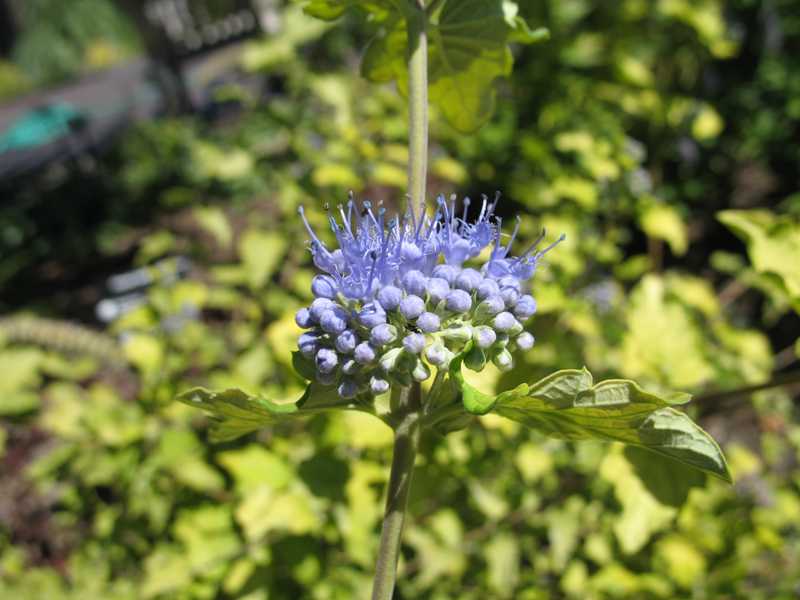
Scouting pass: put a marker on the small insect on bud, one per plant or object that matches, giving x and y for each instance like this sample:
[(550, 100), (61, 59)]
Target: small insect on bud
[(412, 306)]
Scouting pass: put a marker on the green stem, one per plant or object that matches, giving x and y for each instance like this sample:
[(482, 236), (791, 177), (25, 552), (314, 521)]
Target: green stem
[(417, 105), (791, 378), (406, 442)]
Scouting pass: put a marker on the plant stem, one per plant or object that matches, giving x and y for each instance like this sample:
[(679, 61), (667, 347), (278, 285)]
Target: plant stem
[(785, 379), (417, 105), (406, 441)]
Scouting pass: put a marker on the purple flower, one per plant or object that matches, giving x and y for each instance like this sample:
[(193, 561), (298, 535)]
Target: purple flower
[(347, 389), (364, 353), (458, 301), (412, 306), (324, 286), (334, 320), (484, 336), (436, 354), (389, 297), (346, 342), (486, 288), (414, 343), (371, 315), (468, 280), (524, 341), (438, 288), (490, 307), (319, 306), (505, 321), (326, 360), (446, 272), (415, 283), (308, 343), (525, 307), (429, 322), (383, 334), (378, 385), (303, 318)]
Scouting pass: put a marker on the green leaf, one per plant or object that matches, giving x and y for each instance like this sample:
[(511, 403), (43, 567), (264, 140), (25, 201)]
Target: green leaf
[(330, 10), (565, 405), (467, 50), (236, 413), (773, 244), (474, 401)]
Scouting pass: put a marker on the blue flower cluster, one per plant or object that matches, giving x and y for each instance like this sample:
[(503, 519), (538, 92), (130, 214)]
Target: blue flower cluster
[(395, 298)]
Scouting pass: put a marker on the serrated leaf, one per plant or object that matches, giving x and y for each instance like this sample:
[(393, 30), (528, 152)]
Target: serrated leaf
[(565, 405), (235, 413), (467, 50)]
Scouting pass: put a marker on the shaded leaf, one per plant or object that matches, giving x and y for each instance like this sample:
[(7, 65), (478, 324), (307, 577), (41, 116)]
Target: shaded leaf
[(564, 405), (236, 413)]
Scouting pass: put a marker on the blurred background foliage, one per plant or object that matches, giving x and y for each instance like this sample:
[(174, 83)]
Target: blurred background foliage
[(661, 137)]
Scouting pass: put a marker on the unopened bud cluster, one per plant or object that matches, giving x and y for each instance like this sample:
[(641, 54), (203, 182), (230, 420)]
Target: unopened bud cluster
[(387, 308)]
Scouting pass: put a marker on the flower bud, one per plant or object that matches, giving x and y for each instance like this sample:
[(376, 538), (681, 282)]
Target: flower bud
[(446, 272), (348, 389), (346, 342), (509, 281), (389, 297), (524, 341), (391, 359), (412, 306), (516, 329), (503, 360), (436, 354), (303, 318), (468, 280), (420, 372), (504, 322), (484, 336), (334, 320), (308, 343), (380, 335), (457, 333), (475, 359), (438, 289), (414, 343), (488, 287), (415, 283), (489, 307), (364, 353), (429, 322), (509, 296), (371, 315), (319, 306), (326, 360), (525, 307), (458, 301), (324, 286), (378, 386)]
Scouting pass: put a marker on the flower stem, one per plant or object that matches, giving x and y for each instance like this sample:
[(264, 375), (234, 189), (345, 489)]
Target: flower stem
[(417, 104), (406, 441)]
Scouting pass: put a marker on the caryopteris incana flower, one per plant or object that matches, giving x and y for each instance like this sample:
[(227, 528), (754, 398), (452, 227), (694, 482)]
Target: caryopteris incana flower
[(396, 298)]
